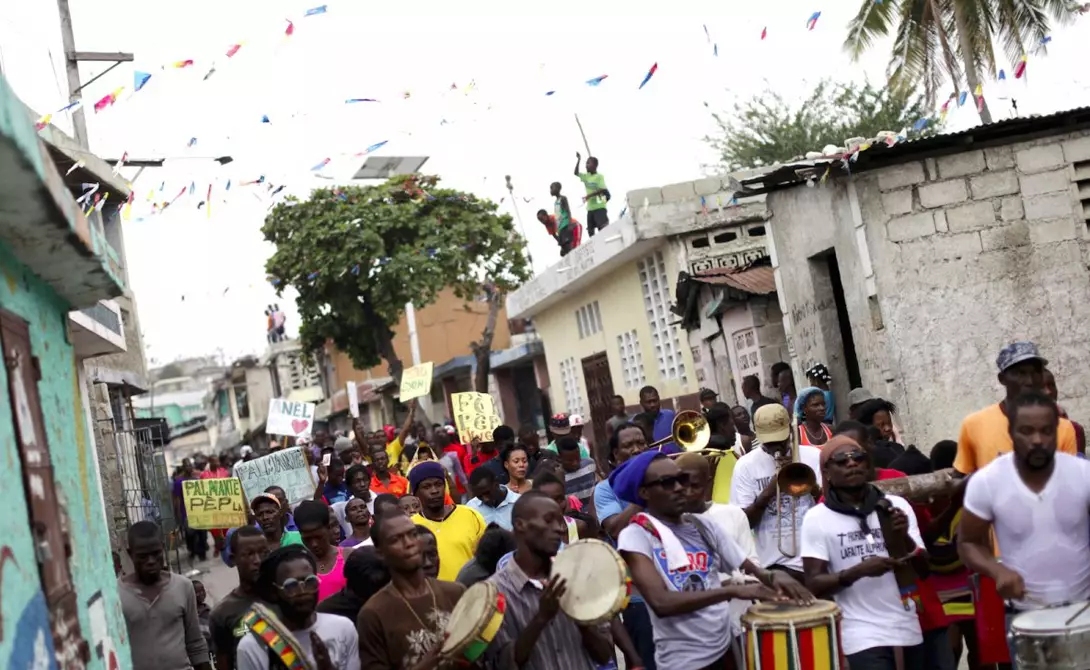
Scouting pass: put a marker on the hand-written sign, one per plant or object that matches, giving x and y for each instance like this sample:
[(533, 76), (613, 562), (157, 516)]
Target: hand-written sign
[(290, 418), (475, 415), (353, 399), (214, 503), (416, 381), (287, 469)]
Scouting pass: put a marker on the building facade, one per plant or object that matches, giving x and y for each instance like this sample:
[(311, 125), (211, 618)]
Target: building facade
[(60, 606), (239, 404)]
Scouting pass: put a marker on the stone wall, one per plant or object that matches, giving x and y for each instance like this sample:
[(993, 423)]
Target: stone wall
[(944, 261)]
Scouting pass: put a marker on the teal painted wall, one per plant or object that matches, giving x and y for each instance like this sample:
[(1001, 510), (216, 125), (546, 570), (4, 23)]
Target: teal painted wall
[(73, 459), (174, 414)]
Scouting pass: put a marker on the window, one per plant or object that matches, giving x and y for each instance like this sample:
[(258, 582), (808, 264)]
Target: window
[(588, 319), (242, 401), (656, 301), (569, 378), (631, 360)]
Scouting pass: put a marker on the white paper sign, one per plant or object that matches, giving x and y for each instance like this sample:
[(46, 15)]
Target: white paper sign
[(290, 418), (286, 468), (353, 400)]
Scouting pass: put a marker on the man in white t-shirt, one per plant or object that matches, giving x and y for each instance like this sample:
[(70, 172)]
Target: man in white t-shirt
[(845, 557), (753, 488), (1038, 502)]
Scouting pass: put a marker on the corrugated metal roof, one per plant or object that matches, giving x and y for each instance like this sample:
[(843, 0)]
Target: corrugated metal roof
[(758, 280)]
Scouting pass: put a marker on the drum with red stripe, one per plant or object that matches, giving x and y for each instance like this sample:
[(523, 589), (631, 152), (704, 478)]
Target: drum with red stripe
[(783, 636)]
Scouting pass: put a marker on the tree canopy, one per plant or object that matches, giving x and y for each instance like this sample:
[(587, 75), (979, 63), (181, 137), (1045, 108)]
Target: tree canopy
[(356, 255), (765, 129)]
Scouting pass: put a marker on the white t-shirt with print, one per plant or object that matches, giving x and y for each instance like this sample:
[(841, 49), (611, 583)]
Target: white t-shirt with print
[(751, 474), (1042, 536), (336, 632), (872, 614)]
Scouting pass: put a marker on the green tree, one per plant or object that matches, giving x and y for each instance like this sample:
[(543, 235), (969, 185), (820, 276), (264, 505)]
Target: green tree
[(945, 42), (765, 129), (357, 255)]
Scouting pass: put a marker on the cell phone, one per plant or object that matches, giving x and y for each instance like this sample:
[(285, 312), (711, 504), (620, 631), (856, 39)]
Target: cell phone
[(325, 459)]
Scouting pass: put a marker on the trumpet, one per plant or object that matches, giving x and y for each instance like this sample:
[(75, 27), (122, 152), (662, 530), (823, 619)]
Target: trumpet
[(796, 479), (689, 431)]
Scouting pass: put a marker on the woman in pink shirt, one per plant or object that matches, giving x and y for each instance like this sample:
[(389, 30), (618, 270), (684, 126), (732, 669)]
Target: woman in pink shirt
[(313, 520)]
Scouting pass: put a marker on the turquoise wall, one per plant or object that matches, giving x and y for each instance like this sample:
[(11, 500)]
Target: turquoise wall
[(23, 614)]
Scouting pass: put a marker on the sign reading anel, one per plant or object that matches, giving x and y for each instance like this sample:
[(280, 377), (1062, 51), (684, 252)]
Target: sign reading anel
[(214, 503), (416, 382), (476, 416), (290, 418)]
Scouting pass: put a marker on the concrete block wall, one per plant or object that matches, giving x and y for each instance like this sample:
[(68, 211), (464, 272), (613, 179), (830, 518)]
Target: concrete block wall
[(972, 251), (677, 208)]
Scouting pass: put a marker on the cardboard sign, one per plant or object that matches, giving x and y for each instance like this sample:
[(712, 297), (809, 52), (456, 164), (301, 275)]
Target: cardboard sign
[(287, 469), (476, 416), (416, 382), (353, 399), (290, 418), (214, 503)]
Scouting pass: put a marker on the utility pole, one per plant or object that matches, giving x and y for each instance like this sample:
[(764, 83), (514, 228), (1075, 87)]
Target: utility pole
[(518, 217), (72, 60)]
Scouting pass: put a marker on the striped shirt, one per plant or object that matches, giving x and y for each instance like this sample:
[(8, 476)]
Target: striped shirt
[(581, 482), (560, 645)]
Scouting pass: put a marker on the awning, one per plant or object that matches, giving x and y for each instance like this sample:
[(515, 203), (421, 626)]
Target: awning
[(309, 394), (759, 280), (454, 366), (516, 355)]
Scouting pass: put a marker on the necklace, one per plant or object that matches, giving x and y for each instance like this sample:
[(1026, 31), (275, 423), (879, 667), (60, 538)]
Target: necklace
[(325, 566), (820, 434), (405, 600)]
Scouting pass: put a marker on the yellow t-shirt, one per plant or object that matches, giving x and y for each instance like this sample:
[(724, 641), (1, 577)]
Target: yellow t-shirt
[(723, 473), (456, 537), (986, 434)]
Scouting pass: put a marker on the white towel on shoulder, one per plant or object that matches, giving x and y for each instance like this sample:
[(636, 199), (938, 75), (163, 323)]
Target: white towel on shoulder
[(676, 556)]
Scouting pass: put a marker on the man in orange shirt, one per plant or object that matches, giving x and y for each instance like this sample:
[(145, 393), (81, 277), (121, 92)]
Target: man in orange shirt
[(986, 434)]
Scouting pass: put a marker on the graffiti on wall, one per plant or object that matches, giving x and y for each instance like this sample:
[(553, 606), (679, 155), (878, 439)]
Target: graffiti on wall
[(100, 636)]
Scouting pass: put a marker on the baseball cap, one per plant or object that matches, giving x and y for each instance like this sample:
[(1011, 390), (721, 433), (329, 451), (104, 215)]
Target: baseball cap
[(1018, 352), (858, 396), (708, 394), (772, 423), (559, 424), (264, 496), (575, 420), (342, 444)]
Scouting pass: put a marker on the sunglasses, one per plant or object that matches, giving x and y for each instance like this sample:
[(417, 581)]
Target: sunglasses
[(292, 586), (671, 481), (854, 457)]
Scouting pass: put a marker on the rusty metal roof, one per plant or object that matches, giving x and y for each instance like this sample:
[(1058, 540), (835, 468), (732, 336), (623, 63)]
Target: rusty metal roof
[(758, 280)]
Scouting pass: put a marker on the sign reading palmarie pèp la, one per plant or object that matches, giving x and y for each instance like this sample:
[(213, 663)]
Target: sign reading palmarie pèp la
[(286, 468), (214, 503)]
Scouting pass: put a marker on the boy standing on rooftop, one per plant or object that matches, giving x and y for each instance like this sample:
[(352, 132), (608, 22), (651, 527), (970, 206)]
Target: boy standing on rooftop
[(597, 194)]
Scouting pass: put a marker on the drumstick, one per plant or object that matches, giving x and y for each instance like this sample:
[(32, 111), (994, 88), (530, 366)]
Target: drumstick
[(1076, 615)]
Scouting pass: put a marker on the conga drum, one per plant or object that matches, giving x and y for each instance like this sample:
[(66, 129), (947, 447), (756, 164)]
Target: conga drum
[(474, 623), (1053, 638), (598, 583), (784, 635), (263, 623)]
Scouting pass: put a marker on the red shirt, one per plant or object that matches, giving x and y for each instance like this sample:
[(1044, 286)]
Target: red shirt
[(471, 462), (221, 473)]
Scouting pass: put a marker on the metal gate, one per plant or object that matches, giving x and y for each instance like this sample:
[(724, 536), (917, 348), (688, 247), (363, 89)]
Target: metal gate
[(599, 391), (146, 485)]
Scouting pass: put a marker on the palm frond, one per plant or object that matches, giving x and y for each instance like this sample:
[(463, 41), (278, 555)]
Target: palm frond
[(873, 21), (1024, 23), (981, 24)]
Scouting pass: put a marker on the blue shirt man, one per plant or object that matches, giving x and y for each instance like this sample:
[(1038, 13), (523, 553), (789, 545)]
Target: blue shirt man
[(493, 501), (664, 418)]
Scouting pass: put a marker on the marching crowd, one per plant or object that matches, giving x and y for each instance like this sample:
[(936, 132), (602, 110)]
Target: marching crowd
[(725, 548)]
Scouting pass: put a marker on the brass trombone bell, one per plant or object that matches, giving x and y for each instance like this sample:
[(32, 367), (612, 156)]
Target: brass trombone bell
[(690, 432)]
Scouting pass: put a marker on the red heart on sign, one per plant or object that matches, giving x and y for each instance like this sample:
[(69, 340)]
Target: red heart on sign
[(299, 425)]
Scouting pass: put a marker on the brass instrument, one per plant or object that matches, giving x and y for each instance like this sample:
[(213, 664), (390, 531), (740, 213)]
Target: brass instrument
[(796, 479), (689, 431)]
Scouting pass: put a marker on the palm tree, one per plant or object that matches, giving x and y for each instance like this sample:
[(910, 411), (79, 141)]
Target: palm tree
[(938, 42)]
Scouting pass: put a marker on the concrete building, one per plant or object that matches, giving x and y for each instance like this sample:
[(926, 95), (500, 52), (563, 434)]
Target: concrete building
[(295, 376), (908, 274), (60, 602), (239, 404)]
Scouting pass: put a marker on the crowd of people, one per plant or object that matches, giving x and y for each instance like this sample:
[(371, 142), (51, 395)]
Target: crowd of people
[(367, 572)]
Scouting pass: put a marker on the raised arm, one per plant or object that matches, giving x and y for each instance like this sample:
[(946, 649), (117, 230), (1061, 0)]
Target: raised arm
[(578, 160)]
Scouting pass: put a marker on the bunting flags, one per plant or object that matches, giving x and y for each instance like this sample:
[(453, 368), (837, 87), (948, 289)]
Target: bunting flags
[(650, 73), (140, 79), (234, 49), (1020, 69), (314, 11), (182, 64), (596, 80), (108, 99), (812, 21)]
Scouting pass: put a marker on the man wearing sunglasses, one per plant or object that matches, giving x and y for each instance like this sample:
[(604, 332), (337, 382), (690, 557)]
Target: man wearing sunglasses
[(675, 562), (845, 557), (288, 577)]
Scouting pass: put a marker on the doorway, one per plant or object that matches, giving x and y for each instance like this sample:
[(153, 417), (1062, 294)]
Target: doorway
[(599, 391), (829, 290)]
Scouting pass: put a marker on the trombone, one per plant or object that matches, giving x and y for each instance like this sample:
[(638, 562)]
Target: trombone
[(796, 479), (689, 431)]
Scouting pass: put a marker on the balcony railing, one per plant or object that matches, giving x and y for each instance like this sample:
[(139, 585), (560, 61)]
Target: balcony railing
[(105, 316)]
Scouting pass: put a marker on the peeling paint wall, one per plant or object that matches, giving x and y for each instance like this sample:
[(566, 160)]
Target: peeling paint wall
[(73, 458)]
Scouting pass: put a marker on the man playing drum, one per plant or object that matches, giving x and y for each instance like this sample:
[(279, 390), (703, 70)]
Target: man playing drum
[(1038, 502), (675, 563), (535, 634), (401, 627)]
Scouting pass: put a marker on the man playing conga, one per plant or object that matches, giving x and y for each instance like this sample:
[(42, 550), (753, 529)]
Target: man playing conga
[(535, 633)]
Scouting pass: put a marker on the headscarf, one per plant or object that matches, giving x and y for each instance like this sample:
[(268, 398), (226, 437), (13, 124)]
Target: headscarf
[(819, 372), (425, 470), (835, 445), (800, 401), (627, 479)]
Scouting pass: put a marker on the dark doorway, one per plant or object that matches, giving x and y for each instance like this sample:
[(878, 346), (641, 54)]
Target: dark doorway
[(851, 362), (599, 391)]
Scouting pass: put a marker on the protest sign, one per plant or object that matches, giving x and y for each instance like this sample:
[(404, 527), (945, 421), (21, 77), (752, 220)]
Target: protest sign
[(290, 418), (416, 382), (353, 399), (475, 415), (286, 468), (213, 503)]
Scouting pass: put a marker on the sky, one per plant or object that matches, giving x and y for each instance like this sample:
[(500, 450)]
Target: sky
[(198, 276)]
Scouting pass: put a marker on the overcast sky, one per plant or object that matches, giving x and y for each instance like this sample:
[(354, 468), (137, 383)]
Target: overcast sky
[(200, 281)]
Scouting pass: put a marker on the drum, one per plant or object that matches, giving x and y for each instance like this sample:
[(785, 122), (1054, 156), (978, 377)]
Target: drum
[(263, 623), (784, 635), (474, 623), (1057, 638), (598, 583)]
